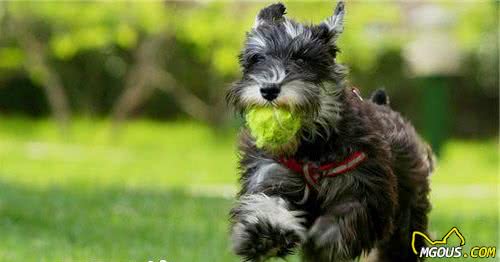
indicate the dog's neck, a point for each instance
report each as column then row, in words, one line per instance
column 328, row 118
column 329, row 127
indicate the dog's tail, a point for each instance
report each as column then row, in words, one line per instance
column 380, row 97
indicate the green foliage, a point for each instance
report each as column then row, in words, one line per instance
column 474, row 23
column 93, row 49
column 217, row 28
column 75, row 27
column 11, row 57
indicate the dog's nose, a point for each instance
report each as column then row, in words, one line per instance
column 270, row 92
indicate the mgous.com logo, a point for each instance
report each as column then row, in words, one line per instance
column 441, row 249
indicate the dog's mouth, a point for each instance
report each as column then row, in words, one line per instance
column 274, row 128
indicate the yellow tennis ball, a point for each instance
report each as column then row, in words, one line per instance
column 272, row 127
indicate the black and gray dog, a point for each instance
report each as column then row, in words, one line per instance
column 355, row 180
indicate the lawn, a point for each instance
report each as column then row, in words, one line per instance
column 162, row 191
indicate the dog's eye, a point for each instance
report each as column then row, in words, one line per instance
column 298, row 59
column 256, row 58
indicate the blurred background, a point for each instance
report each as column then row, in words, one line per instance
column 116, row 143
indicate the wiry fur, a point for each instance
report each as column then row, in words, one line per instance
column 374, row 207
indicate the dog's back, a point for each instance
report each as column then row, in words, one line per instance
column 412, row 163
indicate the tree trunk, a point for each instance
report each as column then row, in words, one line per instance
column 145, row 76
column 40, row 72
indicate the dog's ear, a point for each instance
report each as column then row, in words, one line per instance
column 335, row 23
column 271, row 14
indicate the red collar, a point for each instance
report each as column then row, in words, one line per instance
column 313, row 173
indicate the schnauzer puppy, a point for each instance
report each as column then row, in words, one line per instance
column 354, row 180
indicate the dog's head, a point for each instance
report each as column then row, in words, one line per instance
column 289, row 64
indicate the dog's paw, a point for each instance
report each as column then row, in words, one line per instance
column 326, row 243
column 262, row 240
column 264, row 227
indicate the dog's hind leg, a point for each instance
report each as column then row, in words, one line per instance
column 264, row 227
column 413, row 216
column 414, row 169
column 398, row 247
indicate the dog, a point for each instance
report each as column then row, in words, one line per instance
column 355, row 181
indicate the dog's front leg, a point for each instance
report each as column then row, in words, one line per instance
column 342, row 233
column 264, row 226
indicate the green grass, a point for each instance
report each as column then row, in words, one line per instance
column 144, row 194
column 110, row 224
column 144, row 154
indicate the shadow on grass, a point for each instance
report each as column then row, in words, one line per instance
column 111, row 224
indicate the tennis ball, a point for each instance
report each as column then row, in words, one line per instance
column 272, row 127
